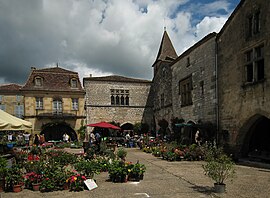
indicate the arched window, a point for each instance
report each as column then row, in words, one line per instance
column 112, row 100
column 127, row 100
column 117, row 100
column 122, row 100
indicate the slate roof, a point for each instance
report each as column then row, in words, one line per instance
column 54, row 79
column 115, row 78
column 166, row 50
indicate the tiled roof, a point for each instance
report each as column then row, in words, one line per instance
column 53, row 79
column 115, row 78
column 10, row 87
column 166, row 50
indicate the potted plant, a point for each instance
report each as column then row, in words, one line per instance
column 33, row 180
column 118, row 171
column 14, row 178
column 77, row 182
column 88, row 168
column 219, row 167
column 122, row 153
column 136, row 171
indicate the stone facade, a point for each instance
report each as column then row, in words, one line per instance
column 12, row 100
column 243, row 73
column 54, row 102
column 198, row 64
column 99, row 105
column 162, row 82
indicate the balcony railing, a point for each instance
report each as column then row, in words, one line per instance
column 42, row 113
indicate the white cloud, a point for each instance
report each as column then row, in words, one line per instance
column 99, row 36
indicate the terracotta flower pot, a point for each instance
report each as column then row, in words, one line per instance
column 17, row 188
column 36, row 187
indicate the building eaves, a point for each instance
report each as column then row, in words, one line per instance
column 116, row 78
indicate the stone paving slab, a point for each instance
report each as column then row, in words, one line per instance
column 168, row 179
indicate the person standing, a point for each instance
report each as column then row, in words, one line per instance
column 92, row 139
column 98, row 140
column 36, row 140
column 26, row 136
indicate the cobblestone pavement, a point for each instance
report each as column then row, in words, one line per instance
column 169, row 179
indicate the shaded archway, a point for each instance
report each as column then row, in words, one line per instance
column 256, row 137
column 128, row 127
column 55, row 131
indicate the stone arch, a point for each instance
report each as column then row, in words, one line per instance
column 254, row 136
column 56, row 130
column 128, row 127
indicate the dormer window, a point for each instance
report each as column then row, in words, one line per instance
column 74, row 83
column 38, row 81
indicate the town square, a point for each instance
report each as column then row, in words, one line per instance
column 130, row 98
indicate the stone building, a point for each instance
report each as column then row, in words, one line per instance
column 162, row 88
column 117, row 99
column 243, row 79
column 54, row 102
column 194, row 84
column 12, row 100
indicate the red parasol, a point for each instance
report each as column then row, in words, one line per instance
column 104, row 125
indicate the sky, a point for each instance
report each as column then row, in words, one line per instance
column 100, row 37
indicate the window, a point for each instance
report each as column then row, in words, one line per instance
column 254, row 65
column 119, row 97
column 188, row 61
column 1, row 98
column 112, row 100
column 74, row 83
column 162, row 100
column 3, row 107
column 57, row 107
column 38, row 81
column 202, row 87
column 19, row 111
column 122, row 100
column 185, row 88
column 117, row 100
column 18, row 98
column 127, row 100
column 75, row 104
column 253, row 24
column 39, row 103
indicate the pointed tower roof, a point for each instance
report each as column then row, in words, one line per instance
column 166, row 50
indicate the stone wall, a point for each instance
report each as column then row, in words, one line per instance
column 238, row 99
column 98, row 102
column 201, row 68
column 162, row 86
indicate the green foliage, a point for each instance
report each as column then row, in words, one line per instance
column 82, row 132
column 14, row 175
column 121, row 153
column 61, row 157
column 219, row 166
column 117, row 168
column 3, row 167
column 88, row 167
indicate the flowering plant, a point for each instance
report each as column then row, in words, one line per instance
column 76, row 182
column 47, row 185
column 33, row 178
column 136, row 171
